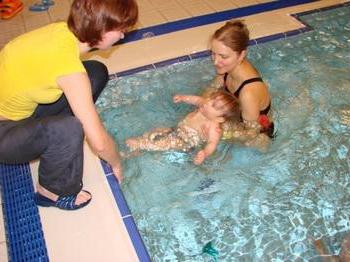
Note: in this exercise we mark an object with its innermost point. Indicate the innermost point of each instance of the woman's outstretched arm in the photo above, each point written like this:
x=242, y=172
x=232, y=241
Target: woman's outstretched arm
x=77, y=89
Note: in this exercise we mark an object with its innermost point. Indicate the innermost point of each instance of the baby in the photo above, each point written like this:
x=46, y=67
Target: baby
x=200, y=126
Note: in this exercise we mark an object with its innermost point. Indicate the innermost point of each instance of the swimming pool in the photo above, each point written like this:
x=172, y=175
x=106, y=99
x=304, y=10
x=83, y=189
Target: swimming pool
x=252, y=206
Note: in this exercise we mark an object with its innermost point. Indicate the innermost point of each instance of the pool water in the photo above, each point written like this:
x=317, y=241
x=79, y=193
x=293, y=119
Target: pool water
x=253, y=206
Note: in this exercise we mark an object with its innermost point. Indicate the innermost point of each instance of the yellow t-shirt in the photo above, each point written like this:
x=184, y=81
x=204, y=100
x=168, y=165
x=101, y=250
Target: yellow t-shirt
x=30, y=65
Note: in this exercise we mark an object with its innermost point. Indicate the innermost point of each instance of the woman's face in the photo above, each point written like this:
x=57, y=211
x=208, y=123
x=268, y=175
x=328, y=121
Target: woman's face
x=224, y=58
x=110, y=38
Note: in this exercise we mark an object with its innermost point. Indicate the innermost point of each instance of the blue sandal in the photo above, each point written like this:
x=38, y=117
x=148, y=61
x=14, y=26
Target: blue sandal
x=48, y=2
x=38, y=8
x=63, y=202
x=43, y=6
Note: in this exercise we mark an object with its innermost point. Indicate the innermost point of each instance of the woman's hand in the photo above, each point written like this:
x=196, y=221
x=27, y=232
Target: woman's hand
x=118, y=172
x=77, y=89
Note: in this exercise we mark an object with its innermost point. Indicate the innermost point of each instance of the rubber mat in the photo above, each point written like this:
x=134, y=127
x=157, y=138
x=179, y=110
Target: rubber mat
x=24, y=234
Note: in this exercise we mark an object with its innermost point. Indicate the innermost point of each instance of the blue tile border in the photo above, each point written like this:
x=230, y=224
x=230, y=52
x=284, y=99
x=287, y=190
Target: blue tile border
x=200, y=54
x=135, y=70
x=136, y=239
x=172, y=61
x=118, y=196
x=208, y=19
x=128, y=219
x=106, y=167
x=117, y=192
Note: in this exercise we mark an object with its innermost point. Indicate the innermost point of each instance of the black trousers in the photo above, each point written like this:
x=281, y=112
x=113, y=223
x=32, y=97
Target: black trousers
x=54, y=135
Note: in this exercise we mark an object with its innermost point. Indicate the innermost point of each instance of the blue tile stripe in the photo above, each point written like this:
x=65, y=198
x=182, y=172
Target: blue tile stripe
x=24, y=234
x=128, y=219
x=208, y=19
x=136, y=239
x=118, y=196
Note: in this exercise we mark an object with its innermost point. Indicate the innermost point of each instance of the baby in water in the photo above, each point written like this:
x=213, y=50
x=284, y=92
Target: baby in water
x=201, y=126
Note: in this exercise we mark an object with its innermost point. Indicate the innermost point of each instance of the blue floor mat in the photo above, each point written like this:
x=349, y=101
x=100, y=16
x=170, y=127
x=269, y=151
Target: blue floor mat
x=24, y=234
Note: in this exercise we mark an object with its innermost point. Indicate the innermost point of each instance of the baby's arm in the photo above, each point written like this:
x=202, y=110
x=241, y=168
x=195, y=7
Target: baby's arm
x=214, y=135
x=188, y=99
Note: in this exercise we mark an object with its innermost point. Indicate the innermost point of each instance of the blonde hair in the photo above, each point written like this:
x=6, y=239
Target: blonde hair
x=227, y=101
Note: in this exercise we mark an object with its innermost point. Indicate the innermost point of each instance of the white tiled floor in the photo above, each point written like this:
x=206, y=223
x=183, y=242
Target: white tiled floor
x=152, y=12
x=97, y=229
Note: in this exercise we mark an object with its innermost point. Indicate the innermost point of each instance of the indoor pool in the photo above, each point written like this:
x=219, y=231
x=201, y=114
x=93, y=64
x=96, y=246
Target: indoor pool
x=251, y=206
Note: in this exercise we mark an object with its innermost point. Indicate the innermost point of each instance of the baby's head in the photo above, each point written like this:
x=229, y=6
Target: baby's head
x=221, y=113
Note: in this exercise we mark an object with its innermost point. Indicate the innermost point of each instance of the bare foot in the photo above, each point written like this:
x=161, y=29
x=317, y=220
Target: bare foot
x=82, y=196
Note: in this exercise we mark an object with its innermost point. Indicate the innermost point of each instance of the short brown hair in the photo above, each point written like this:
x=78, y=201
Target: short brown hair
x=89, y=19
x=227, y=103
x=234, y=34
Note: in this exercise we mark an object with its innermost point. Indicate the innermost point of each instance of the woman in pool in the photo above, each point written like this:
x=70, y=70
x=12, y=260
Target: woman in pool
x=47, y=98
x=238, y=76
x=201, y=125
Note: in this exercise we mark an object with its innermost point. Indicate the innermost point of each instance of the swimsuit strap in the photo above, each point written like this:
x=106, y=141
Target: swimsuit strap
x=245, y=82
x=225, y=85
x=225, y=77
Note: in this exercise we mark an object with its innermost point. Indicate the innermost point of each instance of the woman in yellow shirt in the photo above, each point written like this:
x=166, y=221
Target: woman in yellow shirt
x=47, y=98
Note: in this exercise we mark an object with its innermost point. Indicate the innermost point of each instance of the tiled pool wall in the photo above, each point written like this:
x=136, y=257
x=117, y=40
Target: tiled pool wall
x=24, y=232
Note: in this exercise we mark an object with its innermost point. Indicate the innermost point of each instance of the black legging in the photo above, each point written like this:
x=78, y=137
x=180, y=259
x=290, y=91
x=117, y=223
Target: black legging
x=55, y=136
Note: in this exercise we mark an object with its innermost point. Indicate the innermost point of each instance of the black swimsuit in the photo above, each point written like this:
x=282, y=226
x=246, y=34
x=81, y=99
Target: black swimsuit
x=269, y=131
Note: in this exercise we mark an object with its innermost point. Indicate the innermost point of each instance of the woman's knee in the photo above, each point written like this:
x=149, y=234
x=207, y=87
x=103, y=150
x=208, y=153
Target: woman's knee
x=98, y=69
x=98, y=75
x=75, y=133
x=65, y=131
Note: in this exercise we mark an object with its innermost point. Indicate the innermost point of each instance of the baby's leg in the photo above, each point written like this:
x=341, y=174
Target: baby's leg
x=159, y=139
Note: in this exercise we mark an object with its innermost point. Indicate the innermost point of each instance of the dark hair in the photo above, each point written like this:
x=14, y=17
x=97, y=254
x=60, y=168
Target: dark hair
x=227, y=103
x=89, y=19
x=234, y=34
